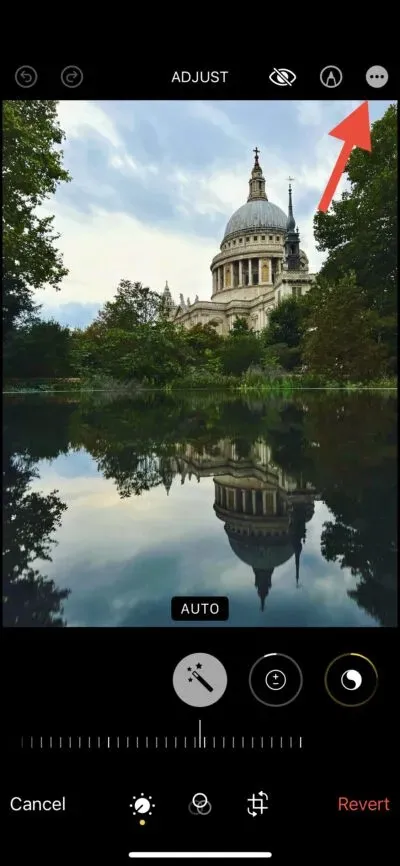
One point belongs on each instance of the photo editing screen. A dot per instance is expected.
(199, 622)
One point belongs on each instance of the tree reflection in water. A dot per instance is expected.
(342, 447)
(29, 520)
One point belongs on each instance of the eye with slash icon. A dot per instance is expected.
(282, 77)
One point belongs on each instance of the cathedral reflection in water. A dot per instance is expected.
(264, 510)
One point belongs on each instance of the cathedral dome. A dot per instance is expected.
(256, 215)
(258, 552)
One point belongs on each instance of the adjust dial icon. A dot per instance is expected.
(275, 680)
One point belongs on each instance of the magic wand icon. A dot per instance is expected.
(201, 680)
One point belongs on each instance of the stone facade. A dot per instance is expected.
(259, 264)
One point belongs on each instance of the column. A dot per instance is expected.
(253, 501)
(235, 500)
(259, 271)
(244, 501)
(264, 499)
(240, 272)
(250, 272)
(234, 273)
(222, 277)
(274, 498)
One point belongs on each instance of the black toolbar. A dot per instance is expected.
(74, 78)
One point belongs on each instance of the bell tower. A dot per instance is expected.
(292, 239)
(257, 181)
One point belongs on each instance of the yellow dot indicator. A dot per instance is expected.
(142, 822)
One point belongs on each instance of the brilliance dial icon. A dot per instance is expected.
(142, 806)
(351, 680)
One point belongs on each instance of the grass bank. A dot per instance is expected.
(35, 386)
(254, 384)
(263, 384)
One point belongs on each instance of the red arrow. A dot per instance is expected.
(354, 131)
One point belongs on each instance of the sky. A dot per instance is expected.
(155, 182)
(125, 558)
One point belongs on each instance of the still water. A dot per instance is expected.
(285, 505)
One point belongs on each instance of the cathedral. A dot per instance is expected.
(259, 264)
(264, 510)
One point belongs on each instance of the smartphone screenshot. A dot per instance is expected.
(199, 627)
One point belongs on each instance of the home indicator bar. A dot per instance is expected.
(199, 855)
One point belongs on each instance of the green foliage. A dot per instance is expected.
(239, 352)
(18, 303)
(240, 326)
(29, 521)
(342, 341)
(202, 377)
(151, 353)
(201, 340)
(286, 323)
(38, 350)
(352, 329)
(133, 305)
(359, 233)
(31, 171)
(285, 330)
(131, 340)
(256, 377)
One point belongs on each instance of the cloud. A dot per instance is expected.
(209, 113)
(322, 112)
(155, 183)
(124, 577)
(84, 118)
(100, 250)
(309, 113)
(125, 164)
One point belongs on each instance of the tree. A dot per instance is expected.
(239, 352)
(240, 326)
(200, 339)
(29, 521)
(360, 231)
(133, 305)
(38, 350)
(18, 304)
(285, 331)
(154, 352)
(32, 169)
(357, 479)
(342, 340)
(132, 340)
(286, 323)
